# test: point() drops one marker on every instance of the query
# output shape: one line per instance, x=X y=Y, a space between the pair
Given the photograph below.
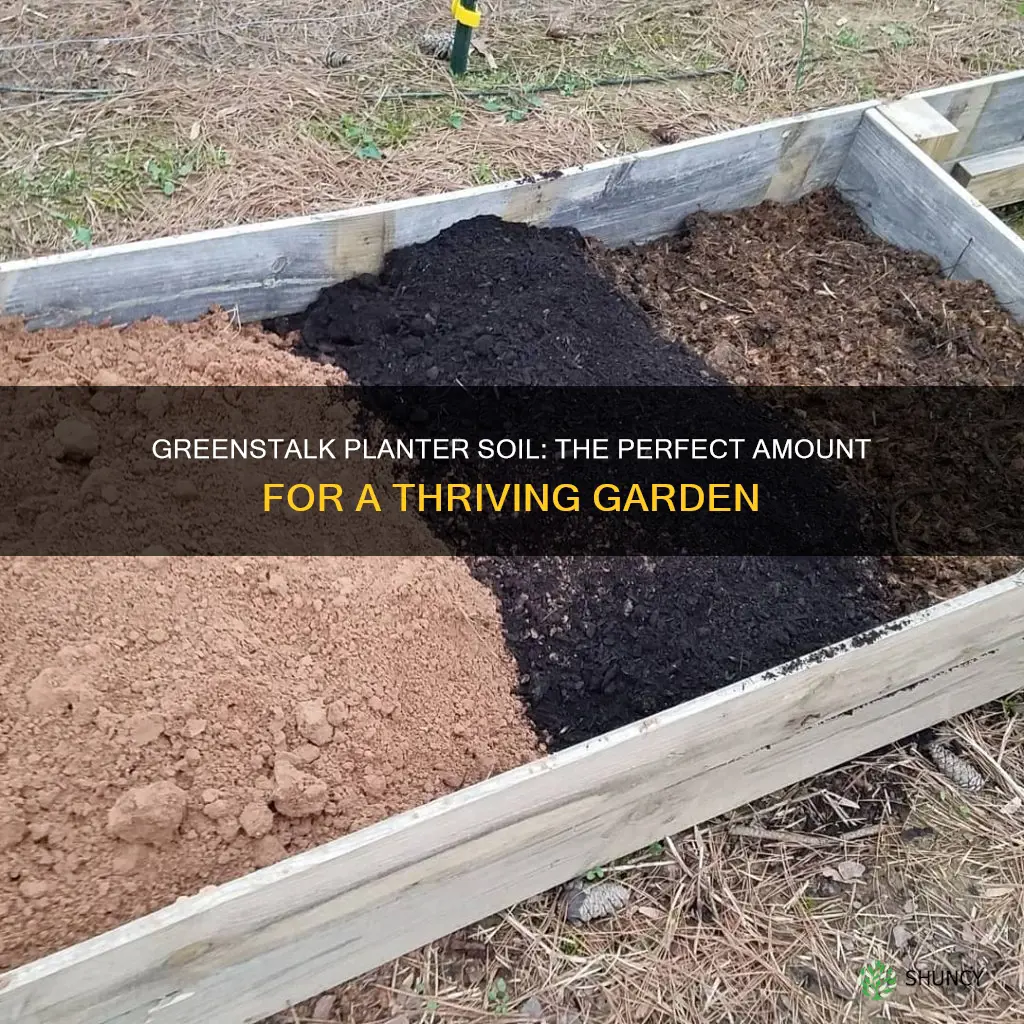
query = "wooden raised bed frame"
x=254 y=945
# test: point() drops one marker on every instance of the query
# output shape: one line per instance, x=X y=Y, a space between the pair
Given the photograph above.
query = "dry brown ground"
x=230 y=105
x=214 y=113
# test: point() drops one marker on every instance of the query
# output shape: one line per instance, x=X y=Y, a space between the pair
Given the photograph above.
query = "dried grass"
x=722 y=926
x=248 y=78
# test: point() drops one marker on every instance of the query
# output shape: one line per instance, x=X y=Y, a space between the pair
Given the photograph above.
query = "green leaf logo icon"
x=877 y=980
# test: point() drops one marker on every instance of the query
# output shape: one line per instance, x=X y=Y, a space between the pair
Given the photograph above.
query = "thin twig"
x=724 y=302
x=54 y=92
x=801 y=838
x=1006 y=736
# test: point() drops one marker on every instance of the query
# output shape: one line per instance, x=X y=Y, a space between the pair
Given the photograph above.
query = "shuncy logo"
x=945 y=978
x=877 y=980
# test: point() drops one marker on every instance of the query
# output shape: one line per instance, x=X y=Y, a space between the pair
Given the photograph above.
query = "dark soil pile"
x=599 y=642
x=605 y=641
x=487 y=302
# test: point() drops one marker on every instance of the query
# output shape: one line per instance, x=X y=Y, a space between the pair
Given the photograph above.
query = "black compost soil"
x=599 y=641
x=488 y=302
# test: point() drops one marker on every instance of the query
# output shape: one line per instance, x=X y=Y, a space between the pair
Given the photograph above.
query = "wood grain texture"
x=923 y=125
x=287 y=932
x=907 y=199
x=994 y=179
x=269 y=269
x=988 y=113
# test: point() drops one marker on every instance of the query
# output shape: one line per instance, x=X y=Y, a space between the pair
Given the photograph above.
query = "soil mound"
x=599 y=641
x=490 y=302
x=169 y=723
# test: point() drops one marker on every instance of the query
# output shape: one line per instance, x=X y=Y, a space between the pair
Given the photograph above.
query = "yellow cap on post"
x=464 y=16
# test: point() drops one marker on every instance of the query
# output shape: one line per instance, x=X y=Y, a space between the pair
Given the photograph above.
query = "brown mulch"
x=805 y=295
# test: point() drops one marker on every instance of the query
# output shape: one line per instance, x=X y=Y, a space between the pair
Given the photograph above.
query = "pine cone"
x=955 y=768
x=599 y=900
x=437 y=43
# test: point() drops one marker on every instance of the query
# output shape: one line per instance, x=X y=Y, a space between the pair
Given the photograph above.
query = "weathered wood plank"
x=994 y=179
x=923 y=125
x=910 y=201
x=269 y=269
x=317 y=919
x=988 y=114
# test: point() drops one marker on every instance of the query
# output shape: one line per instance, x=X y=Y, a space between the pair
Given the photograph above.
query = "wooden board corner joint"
x=923 y=125
x=994 y=179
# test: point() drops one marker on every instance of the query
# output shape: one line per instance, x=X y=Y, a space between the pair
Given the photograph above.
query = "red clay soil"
x=171 y=723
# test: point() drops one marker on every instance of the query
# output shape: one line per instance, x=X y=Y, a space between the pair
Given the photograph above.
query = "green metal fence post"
x=467 y=17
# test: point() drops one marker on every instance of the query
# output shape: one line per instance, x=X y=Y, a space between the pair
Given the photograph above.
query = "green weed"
x=497 y=996
x=515 y=108
x=485 y=173
x=901 y=36
x=389 y=126
x=570 y=85
x=81 y=234
x=1012 y=706
x=849 y=40
x=482 y=174
x=168 y=169
x=76 y=188
x=348 y=133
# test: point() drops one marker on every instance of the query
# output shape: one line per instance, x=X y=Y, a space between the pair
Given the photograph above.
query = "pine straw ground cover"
x=213 y=117
x=129 y=120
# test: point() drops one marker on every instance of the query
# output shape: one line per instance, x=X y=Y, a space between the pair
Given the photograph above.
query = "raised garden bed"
x=247 y=947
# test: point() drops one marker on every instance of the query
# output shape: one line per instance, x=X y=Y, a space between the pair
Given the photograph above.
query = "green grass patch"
x=900 y=36
x=168 y=169
x=639 y=51
x=370 y=135
x=485 y=173
x=848 y=39
x=75 y=189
